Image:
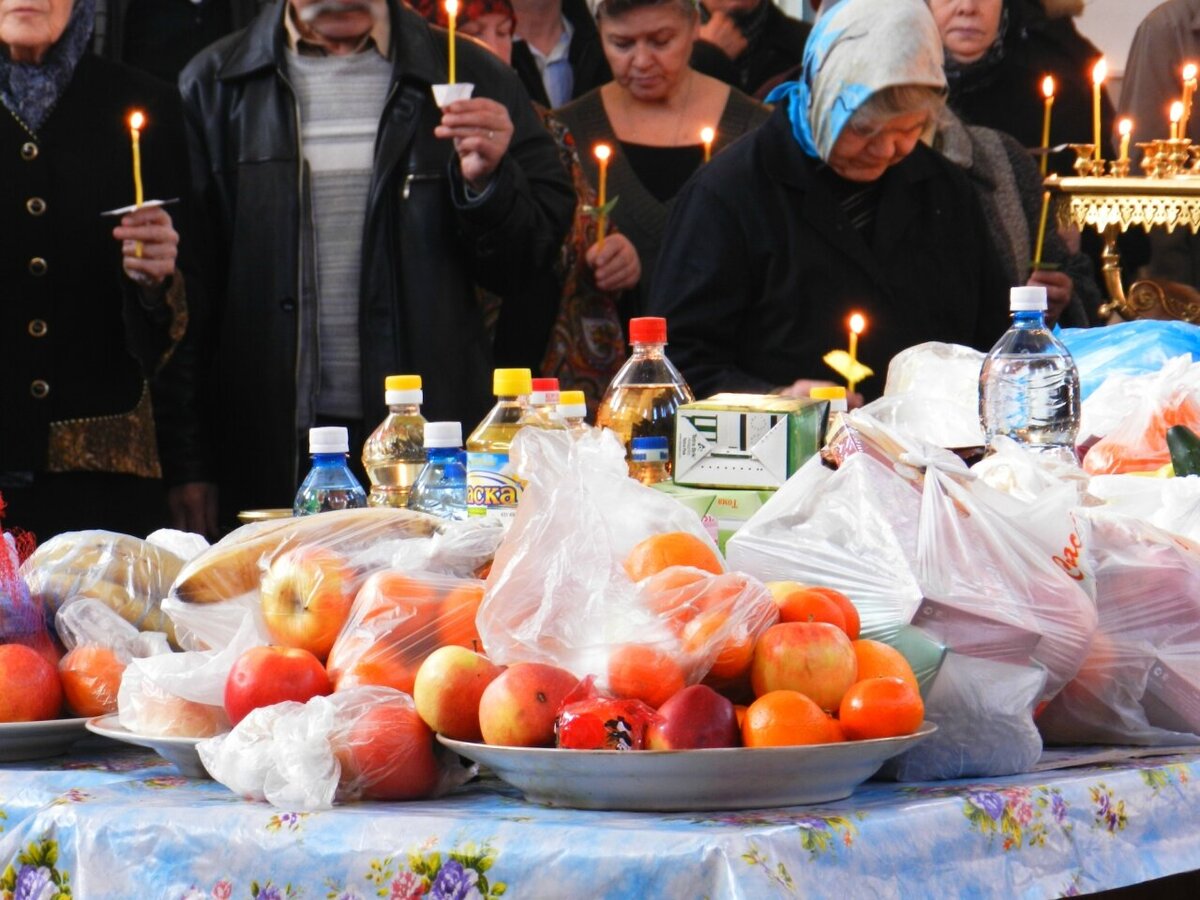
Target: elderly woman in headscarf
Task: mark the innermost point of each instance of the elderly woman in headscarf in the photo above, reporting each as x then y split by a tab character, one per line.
833	206
92	306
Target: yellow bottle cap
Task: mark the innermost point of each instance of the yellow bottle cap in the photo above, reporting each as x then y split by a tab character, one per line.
571	398
512	382
402	383
833	392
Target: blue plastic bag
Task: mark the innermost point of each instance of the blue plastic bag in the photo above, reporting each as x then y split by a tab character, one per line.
1128	348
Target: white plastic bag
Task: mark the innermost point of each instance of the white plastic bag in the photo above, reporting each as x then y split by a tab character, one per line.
1172	504
932	392
558	592
364	743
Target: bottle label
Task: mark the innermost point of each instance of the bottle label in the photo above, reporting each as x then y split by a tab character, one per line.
492	492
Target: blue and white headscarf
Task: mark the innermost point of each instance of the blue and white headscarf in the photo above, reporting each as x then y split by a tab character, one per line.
856	49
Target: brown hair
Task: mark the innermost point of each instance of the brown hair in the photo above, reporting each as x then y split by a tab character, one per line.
613	9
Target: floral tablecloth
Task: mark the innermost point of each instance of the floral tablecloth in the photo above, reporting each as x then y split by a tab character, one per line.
122	825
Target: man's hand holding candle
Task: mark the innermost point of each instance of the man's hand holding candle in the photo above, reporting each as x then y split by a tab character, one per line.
481	130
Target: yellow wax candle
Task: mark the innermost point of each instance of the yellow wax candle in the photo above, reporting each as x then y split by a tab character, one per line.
857	323
1189	90
1041	235
136	120
1125	127
707	136
602	152
1176	118
1048	93
1099	73
452	15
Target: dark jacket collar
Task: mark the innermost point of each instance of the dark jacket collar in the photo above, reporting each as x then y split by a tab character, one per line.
261	46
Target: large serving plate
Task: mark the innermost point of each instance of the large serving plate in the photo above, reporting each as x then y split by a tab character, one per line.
673	780
180	751
38	740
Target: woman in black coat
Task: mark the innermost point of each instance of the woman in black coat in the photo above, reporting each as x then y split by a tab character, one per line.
832	207
92	306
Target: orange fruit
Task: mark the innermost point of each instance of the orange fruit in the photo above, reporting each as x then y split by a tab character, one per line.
739	710
735	646
91	676
378	667
879	708
456	617
877	660
806	603
673	548
786	719
642	672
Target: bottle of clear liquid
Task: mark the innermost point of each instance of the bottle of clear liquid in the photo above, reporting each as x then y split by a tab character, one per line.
329	484
649	461
492	491
572	409
394	454
1029	385
642	398
543	404
441	488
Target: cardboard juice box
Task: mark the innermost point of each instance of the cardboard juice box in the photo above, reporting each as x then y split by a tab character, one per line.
746	441
723	512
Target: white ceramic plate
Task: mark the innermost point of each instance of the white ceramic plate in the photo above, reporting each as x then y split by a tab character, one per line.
667	780
38	740
180	751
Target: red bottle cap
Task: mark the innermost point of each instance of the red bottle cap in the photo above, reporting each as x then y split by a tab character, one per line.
545	384
648	330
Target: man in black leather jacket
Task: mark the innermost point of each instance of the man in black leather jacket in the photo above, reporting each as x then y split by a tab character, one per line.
472	195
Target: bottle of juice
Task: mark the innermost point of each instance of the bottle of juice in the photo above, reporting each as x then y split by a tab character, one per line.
643	396
394	454
572	409
492	491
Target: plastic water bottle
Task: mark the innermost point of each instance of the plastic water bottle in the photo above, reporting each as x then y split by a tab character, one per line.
492	491
394	454
1029	385
329	484
441	488
649	462
643	396
572	409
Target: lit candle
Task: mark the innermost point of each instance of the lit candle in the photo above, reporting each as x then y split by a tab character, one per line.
1125	127
452	15
857	323
1048	93
136	120
707	135
1176	118
1099	73
1189	89
1041	235
602	152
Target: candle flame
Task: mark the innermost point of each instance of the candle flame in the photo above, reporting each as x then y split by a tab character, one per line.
452	8
136	120
602	152
1176	112
857	323
1125	127
1189	72
1048	87
707	135
1100	72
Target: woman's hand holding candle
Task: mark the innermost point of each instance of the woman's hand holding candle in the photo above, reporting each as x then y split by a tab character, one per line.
615	264
150	229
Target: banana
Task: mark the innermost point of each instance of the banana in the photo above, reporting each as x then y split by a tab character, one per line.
235	565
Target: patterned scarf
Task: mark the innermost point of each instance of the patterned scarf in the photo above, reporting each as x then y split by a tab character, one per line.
856	49
29	90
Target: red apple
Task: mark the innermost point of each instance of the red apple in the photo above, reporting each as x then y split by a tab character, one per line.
448	688
264	676
814	658
388	754
519	707
306	597
29	687
692	719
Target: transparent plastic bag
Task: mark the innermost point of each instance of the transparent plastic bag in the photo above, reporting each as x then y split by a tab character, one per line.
932	392
396	621
1172	504
559	592
1133	348
1139	442
127	574
365	743
1140	682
